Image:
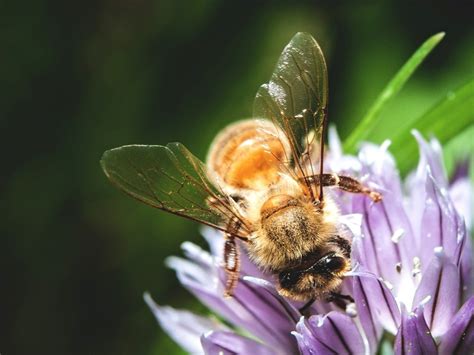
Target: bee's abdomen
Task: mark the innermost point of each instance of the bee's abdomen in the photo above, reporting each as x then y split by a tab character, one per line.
248	154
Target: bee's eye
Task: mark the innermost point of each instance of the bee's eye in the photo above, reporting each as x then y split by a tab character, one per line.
334	263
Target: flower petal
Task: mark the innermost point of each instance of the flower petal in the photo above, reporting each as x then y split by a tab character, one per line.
414	336
461	171
338	332
376	305
206	284
463	259
353	223
430	159
462	196
466	268
203	281
431	155
439	223
214	239
264	313
459	339
184	327
222	342
372	328
286	308
440	282
307	343
386	247
380	166
253	307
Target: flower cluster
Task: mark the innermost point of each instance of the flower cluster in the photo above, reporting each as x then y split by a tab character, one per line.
411	273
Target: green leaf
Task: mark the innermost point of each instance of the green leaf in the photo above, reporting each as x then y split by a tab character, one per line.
445	120
367	124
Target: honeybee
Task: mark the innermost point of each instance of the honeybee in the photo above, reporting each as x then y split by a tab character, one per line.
263	182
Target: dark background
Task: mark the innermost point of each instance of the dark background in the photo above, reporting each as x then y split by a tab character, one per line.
78	78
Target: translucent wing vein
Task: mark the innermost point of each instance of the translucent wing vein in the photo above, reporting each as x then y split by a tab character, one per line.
169	178
296	99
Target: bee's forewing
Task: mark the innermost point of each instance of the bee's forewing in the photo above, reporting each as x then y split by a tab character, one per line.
169	178
296	99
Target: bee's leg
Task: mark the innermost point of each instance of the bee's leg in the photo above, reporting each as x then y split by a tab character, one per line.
342	297
349	184
340	300
345	183
305	309
232	264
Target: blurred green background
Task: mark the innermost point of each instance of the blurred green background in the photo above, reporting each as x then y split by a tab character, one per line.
82	77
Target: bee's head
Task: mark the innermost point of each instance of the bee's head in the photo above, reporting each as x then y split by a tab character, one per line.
316	281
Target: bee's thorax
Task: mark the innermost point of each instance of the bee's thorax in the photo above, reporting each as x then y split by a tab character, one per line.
288	230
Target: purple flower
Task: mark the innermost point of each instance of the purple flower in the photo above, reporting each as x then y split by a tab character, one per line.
411	273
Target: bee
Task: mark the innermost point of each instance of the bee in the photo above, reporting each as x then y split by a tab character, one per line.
263	182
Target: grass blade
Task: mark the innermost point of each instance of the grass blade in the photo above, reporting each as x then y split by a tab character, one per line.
445	120
362	131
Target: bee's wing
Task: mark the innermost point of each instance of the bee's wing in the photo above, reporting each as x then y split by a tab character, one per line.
169	178
296	99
